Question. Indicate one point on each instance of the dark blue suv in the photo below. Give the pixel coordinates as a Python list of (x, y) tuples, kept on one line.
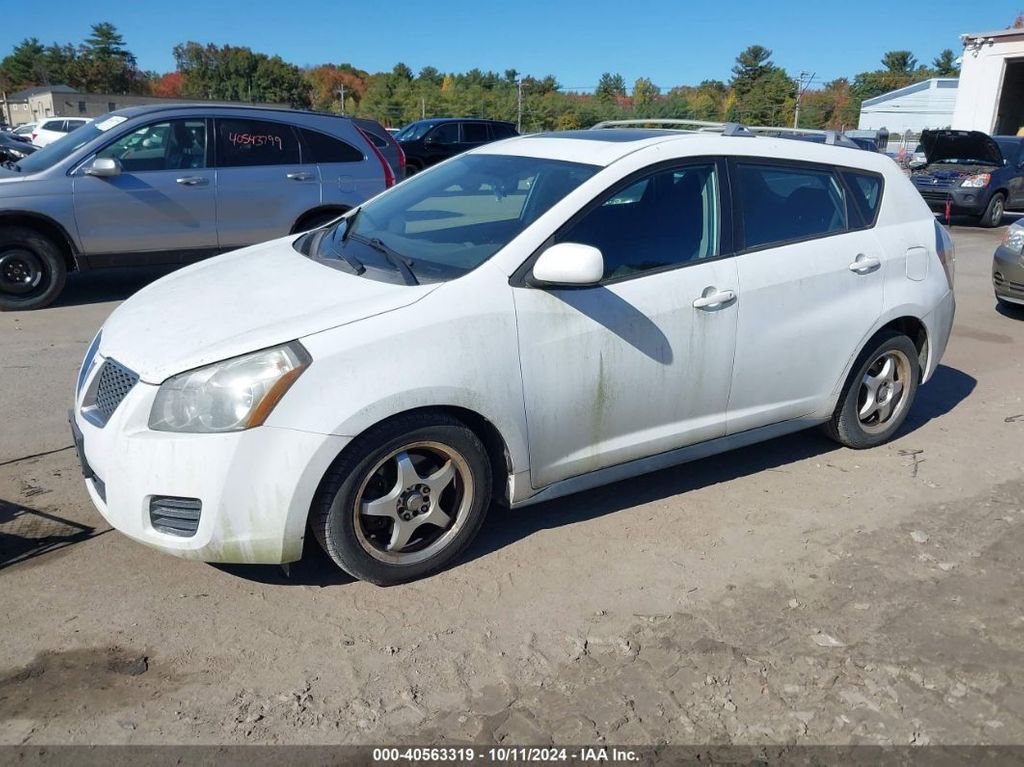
[(971, 173)]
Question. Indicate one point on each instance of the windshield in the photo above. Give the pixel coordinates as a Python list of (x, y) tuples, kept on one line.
[(413, 131), (63, 147), (446, 222)]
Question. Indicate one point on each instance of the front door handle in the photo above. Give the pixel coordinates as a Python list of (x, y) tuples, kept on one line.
[(715, 299), (300, 176), (193, 181), (865, 264)]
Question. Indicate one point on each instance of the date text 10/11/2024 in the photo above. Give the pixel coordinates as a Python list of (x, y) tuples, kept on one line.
[(505, 754)]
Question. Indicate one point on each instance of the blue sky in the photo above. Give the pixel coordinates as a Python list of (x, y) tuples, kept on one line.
[(680, 42)]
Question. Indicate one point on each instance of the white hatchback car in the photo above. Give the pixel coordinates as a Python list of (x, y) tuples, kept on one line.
[(533, 318), (51, 129)]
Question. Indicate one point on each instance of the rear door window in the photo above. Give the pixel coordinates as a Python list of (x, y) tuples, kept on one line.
[(780, 204), (245, 143), (322, 148), (474, 133), (502, 131)]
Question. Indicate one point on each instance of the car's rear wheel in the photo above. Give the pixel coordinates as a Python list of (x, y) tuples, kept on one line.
[(411, 169), (404, 500), (32, 269), (879, 393), (993, 215)]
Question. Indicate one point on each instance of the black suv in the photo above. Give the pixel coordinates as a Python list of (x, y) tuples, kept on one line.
[(427, 142), (971, 173)]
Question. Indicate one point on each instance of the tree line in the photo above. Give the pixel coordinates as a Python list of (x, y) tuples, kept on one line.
[(758, 93)]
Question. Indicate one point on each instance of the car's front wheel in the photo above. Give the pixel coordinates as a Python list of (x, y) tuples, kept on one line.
[(32, 269), (404, 500), (879, 393), (993, 215)]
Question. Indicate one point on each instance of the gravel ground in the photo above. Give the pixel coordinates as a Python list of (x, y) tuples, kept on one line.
[(789, 593)]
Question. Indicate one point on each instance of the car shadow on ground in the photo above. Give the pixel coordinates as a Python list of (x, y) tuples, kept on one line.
[(945, 391), (99, 286), (27, 533), (1012, 311)]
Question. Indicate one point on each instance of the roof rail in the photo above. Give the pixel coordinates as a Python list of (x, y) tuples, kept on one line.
[(679, 124), (832, 137)]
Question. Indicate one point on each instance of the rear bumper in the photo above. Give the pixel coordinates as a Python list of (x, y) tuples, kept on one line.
[(1008, 275), (939, 324)]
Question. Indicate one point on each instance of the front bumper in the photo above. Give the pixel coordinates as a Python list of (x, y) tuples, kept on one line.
[(971, 202), (1008, 275), (255, 486)]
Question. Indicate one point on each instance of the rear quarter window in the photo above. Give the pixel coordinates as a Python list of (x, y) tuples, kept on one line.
[(866, 191), (325, 149)]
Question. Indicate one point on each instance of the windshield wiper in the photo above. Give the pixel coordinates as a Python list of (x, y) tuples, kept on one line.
[(339, 252), (396, 259)]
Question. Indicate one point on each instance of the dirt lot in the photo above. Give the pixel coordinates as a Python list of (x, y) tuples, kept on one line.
[(792, 592)]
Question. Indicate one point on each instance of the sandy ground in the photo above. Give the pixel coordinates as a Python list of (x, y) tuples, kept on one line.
[(792, 592)]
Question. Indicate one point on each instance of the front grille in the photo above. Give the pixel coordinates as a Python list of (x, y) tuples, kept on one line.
[(936, 183), (175, 516), (112, 385), (930, 196)]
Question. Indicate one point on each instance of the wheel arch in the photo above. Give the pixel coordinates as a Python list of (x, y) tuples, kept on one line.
[(316, 212), (903, 321), (494, 442), (45, 226)]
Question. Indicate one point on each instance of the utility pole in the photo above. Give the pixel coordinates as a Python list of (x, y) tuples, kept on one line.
[(519, 106), (800, 89), (341, 95), (423, 108)]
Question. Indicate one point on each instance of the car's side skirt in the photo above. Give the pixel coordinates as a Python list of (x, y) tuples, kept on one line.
[(665, 460)]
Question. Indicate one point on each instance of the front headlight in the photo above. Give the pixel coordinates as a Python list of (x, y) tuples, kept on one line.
[(977, 182), (88, 362), (1014, 239), (232, 395)]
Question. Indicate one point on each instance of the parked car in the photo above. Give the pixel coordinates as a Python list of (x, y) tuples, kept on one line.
[(48, 131), (1008, 267), (385, 143), (172, 184), (12, 150), (530, 319), (972, 173), (428, 142), (23, 132)]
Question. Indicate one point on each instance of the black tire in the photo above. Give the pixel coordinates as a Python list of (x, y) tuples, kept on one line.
[(32, 269), (993, 215), (847, 427), (411, 169), (356, 542)]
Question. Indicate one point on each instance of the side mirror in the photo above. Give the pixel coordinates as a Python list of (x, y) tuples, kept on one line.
[(430, 140), (568, 264), (104, 167)]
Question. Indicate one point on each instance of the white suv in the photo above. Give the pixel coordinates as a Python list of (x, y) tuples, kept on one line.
[(533, 318), (50, 130)]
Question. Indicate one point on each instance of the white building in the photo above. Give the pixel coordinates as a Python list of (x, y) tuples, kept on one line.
[(928, 104), (991, 94)]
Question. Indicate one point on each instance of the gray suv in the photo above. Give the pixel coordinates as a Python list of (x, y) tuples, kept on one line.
[(174, 184)]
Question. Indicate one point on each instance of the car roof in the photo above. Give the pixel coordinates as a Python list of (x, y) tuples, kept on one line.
[(606, 146), (150, 109), (439, 120)]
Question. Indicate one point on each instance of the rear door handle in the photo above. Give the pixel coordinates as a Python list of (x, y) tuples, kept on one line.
[(865, 264), (193, 181), (714, 300), (300, 176)]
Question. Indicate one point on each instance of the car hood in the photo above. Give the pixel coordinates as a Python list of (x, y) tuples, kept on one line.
[(240, 302), (941, 145)]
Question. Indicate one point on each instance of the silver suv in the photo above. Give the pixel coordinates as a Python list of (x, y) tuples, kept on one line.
[(174, 184)]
